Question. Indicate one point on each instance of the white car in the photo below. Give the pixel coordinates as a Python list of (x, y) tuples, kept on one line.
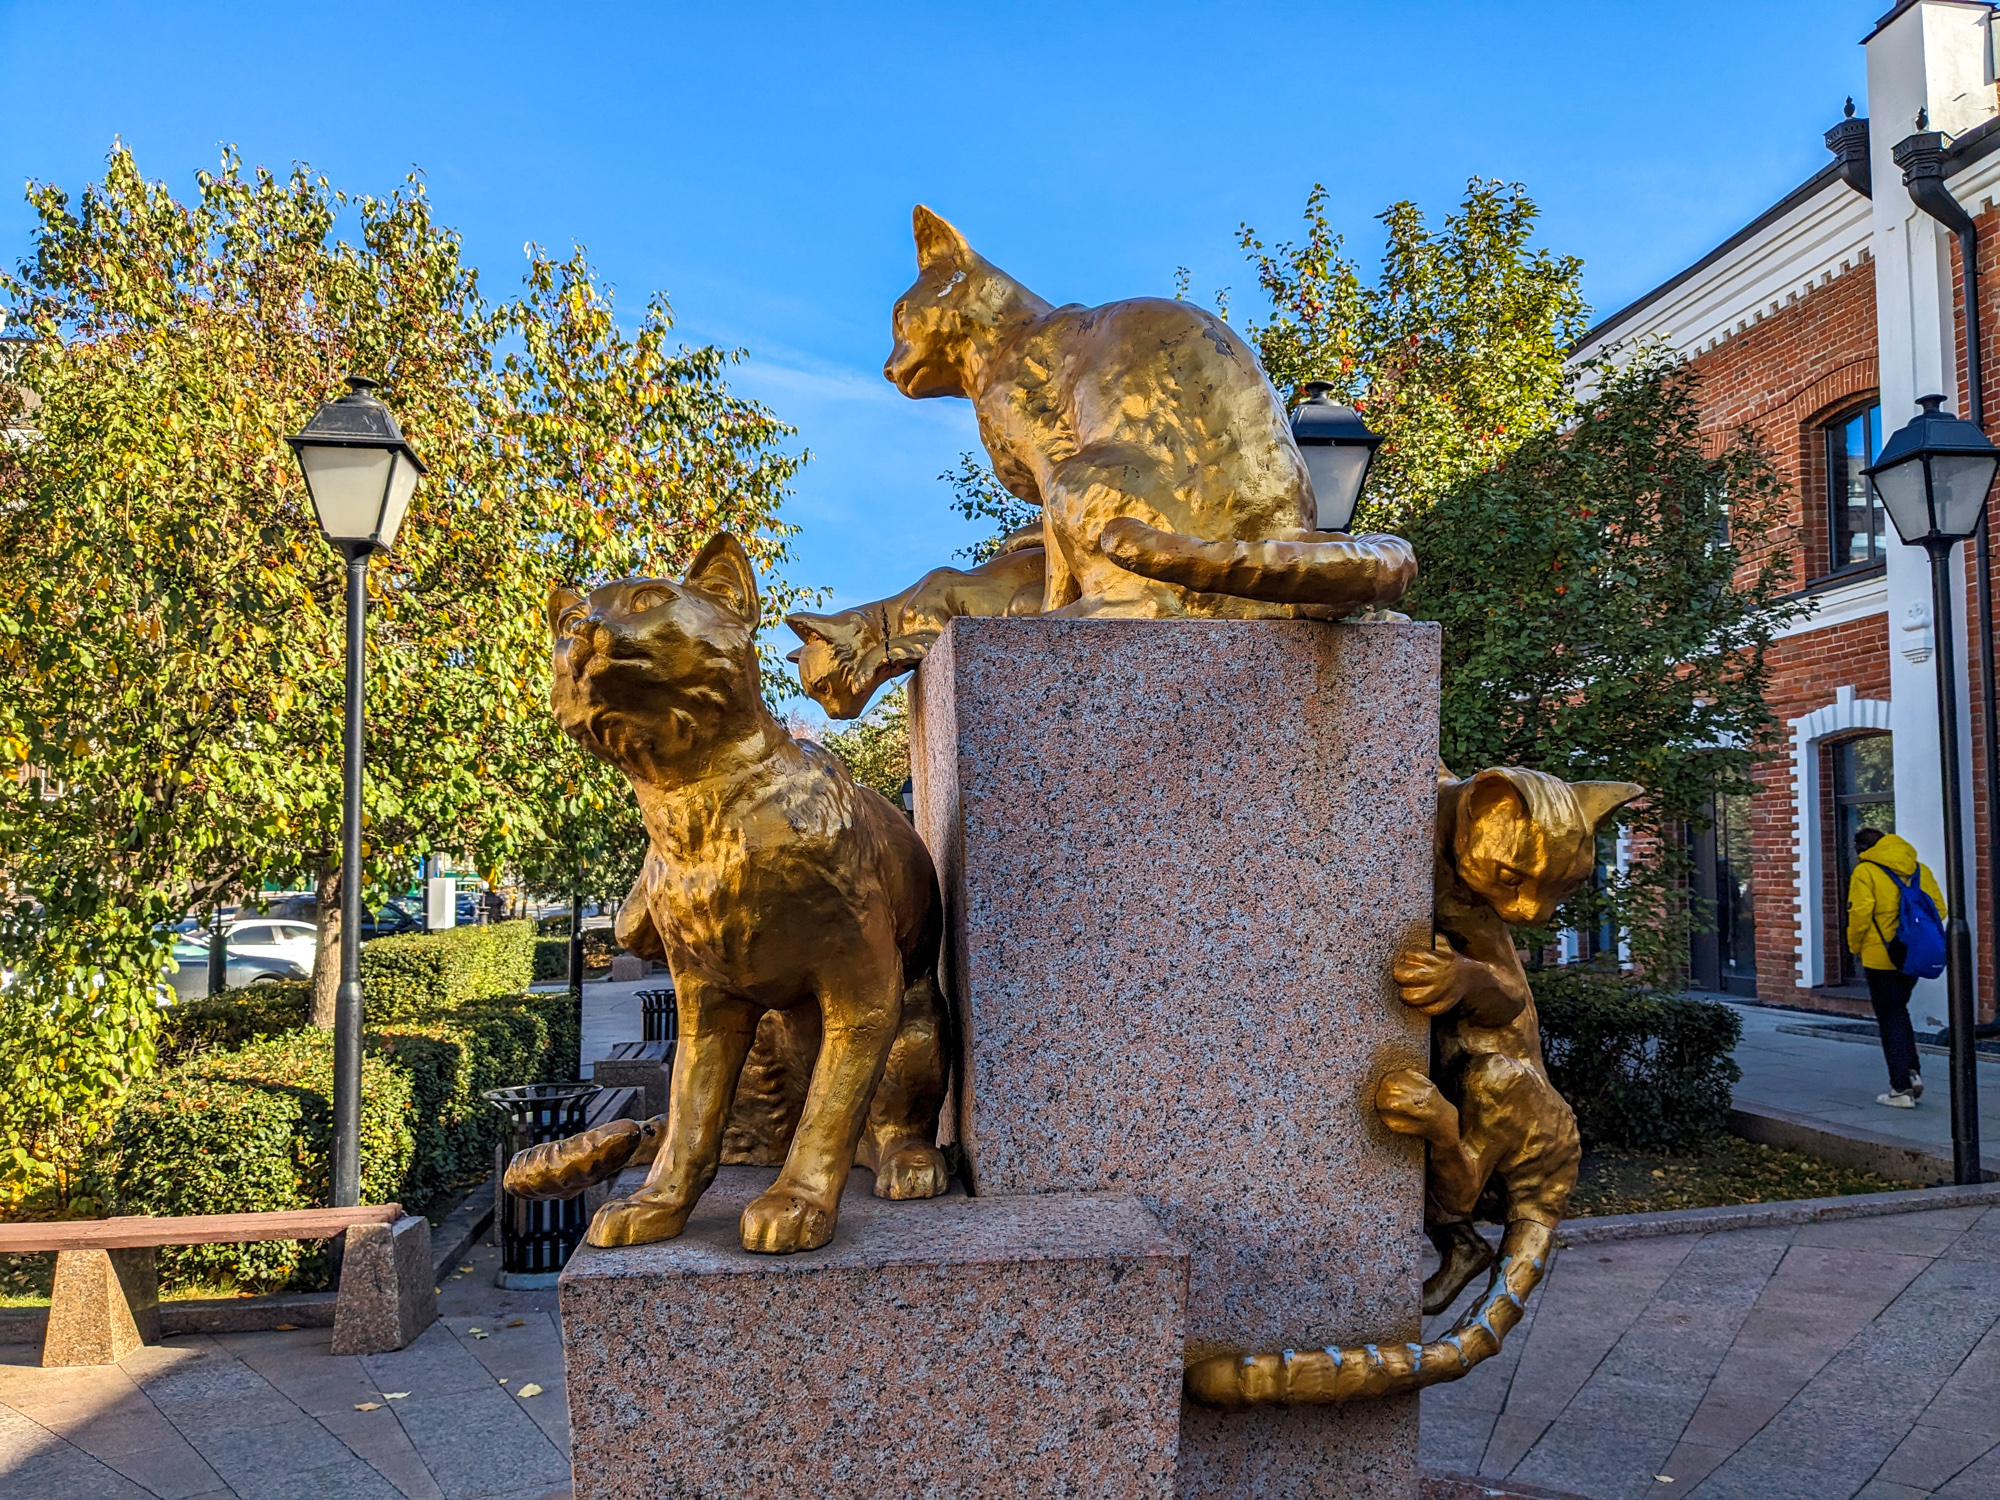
[(275, 938)]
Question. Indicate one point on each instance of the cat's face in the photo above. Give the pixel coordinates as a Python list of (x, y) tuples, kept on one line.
[(1525, 840), (841, 659), (929, 320), (647, 662)]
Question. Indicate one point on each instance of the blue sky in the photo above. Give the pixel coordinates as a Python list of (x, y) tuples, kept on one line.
[(758, 162)]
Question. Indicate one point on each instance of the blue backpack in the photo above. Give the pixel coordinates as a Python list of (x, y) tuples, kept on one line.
[(1918, 947)]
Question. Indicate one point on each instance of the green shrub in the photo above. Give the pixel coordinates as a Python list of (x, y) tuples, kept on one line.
[(558, 1012), (554, 925), (252, 1130), (422, 973), (1640, 1069), (219, 1022), (551, 958)]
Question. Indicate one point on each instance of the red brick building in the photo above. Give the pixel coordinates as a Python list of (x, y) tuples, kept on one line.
[(1817, 326)]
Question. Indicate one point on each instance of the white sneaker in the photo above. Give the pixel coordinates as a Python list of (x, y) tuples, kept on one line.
[(1916, 1084), (1896, 1099)]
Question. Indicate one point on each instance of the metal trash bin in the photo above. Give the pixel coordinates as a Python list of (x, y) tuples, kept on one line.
[(536, 1238), (659, 1019)]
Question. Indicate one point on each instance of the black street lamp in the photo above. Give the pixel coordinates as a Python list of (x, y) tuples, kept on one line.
[(1933, 479), (1337, 447), (361, 475)]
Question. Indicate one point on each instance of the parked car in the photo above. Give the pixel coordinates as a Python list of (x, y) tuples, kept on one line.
[(393, 916), (274, 938), (190, 980)]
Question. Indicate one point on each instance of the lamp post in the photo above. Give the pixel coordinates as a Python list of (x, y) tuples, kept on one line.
[(1338, 448), (1933, 478), (361, 475)]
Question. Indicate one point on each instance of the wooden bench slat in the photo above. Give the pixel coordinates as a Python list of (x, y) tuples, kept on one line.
[(138, 1231)]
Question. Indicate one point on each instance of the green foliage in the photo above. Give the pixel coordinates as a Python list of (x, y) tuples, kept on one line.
[(171, 631), (420, 974), (877, 748), (551, 959), (1641, 1069), (249, 1130), (1455, 354), (1608, 595), (218, 1023), (977, 494)]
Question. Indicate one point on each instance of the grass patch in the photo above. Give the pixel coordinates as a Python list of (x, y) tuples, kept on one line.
[(1726, 1169)]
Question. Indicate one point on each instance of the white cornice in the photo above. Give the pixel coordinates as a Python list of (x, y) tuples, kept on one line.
[(1837, 606), (1821, 238)]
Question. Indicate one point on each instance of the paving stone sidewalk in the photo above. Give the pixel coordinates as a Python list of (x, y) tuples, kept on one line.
[(270, 1416), (1821, 1362)]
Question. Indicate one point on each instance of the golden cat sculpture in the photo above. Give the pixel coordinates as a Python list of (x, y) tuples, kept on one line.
[(1512, 845), (792, 906), (1161, 457)]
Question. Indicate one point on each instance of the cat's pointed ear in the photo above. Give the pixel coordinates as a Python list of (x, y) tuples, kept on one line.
[(809, 627), (560, 599), (1600, 799), (938, 244), (722, 568), (1491, 793)]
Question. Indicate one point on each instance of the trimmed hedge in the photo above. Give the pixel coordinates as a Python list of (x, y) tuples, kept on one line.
[(1641, 1069), (551, 958), (217, 1023), (252, 1129), (421, 973)]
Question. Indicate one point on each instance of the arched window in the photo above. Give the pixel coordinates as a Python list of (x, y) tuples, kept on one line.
[(1864, 796)]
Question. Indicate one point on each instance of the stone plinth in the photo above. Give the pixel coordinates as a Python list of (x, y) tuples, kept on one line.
[(1177, 857), (388, 1291), (1026, 1346), (104, 1304)]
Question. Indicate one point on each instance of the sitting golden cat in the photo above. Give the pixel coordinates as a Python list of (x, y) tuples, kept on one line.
[(1512, 845), (1161, 457), (792, 906)]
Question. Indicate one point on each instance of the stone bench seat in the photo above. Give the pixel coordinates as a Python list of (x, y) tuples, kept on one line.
[(106, 1298)]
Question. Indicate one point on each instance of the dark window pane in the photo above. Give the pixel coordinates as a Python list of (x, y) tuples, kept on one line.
[(1858, 522), (1868, 767)]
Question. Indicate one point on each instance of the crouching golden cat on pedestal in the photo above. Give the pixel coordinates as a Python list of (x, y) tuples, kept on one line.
[(1512, 845), (796, 910)]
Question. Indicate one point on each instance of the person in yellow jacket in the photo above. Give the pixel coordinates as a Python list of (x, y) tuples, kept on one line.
[(1874, 904)]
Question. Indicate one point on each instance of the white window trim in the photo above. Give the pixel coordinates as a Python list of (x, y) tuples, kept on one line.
[(1844, 715)]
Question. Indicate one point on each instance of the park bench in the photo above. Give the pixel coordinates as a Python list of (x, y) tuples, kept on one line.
[(106, 1299)]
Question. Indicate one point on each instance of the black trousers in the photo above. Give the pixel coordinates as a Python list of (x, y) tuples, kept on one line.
[(1889, 992)]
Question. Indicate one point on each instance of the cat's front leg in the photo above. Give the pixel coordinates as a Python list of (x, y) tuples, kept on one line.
[(1433, 979), (716, 1032)]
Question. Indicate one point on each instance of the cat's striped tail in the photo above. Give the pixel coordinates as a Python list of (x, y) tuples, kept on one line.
[(1330, 573), (1320, 1377)]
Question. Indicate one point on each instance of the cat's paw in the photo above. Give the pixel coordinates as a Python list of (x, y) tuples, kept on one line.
[(912, 1172), (1431, 980), (783, 1221), (637, 1220), (1410, 1104)]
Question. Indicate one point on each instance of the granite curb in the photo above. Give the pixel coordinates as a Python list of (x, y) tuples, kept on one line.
[(1610, 1227)]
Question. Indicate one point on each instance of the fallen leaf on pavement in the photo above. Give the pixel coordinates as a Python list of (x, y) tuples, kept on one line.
[(465, 1268), (530, 1389), (284, 1327), (517, 1322), (478, 1333), (394, 1395), (368, 1406)]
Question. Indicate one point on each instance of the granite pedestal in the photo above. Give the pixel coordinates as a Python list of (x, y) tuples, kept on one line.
[(1011, 1346), (104, 1305), (1177, 858)]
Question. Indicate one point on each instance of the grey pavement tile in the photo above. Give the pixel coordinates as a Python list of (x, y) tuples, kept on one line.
[(250, 1458), (1805, 1454), (1687, 1465), (1930, 1457), (1970, 1398), (1979, 1243), (475, 1440), (1899, 1362), (1979, 1481), (22, 1438), (378, 1439), (1881, 1489), (349, 1479), (1453, 1438), (66, 1473), (1512, 1437), (1603, 1463), (1929, 1234), (312, 1378), (435, 1363), (215, 1390)]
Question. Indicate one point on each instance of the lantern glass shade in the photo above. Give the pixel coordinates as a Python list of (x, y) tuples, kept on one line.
[(1934, 476), (359, 471), (1337, 448)]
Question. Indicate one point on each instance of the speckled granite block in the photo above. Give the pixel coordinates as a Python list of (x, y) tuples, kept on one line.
[(1177, 857), (388, 1291), (104, 1304), (994, 1346)]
